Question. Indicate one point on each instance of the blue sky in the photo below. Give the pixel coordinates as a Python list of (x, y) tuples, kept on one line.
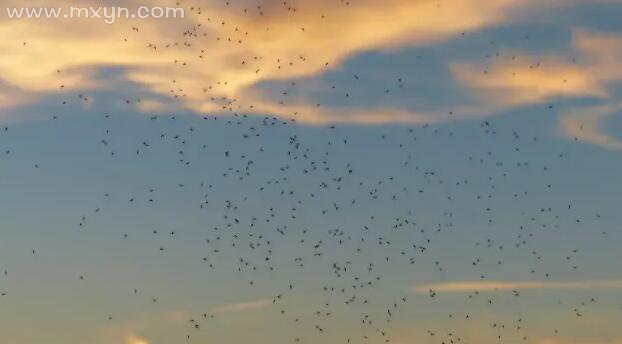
[(454, 162)]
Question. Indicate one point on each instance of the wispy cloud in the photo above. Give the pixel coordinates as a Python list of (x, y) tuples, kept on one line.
[(575, 341), (520, 79), (153, 106), (242, 306), (523, 79), (471, 286), (588, 124)]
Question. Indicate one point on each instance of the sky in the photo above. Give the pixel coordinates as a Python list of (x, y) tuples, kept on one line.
[(364, 171)]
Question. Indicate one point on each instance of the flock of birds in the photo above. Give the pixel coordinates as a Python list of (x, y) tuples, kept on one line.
[(351, 211)]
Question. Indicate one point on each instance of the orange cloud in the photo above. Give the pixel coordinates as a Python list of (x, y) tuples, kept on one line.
[(225, 50)]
